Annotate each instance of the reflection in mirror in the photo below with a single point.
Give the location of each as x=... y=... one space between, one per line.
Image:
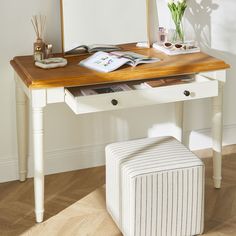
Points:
x=88 y=22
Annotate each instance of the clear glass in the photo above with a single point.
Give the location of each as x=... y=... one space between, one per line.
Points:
x=178 y=36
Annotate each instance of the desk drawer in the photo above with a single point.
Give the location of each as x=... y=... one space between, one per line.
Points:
x=201 y=87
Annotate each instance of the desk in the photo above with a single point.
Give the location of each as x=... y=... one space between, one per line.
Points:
x=42 y=87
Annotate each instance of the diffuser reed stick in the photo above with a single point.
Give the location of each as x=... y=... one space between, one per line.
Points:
x=38 y=22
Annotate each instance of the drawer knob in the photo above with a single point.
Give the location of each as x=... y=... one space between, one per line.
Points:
x=114 y=102
x=186 y=93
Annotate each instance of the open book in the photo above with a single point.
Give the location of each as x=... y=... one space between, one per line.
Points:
x=107 y=62
x=93 y=48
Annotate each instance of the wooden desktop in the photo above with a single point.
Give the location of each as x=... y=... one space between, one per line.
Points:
x=42 y=87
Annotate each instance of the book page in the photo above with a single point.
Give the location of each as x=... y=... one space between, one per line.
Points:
x=103 y=62
x=103 y=22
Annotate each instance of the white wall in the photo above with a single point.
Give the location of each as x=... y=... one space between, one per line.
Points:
x=76 y=142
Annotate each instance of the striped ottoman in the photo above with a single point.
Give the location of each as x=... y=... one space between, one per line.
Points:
x=155 y=187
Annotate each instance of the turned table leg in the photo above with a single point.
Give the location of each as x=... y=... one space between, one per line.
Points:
x=38 y=102
x=22 y=131
x=37 y=116
x=217 y=136
x=179 y=121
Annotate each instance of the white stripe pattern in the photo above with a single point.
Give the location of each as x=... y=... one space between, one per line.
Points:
x=155 y=187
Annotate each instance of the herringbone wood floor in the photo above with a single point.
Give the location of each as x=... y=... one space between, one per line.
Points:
x=63 y=190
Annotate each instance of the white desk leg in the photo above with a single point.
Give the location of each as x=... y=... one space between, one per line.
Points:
x=217 y=136
x=22 y=131
x=179 y=114
x=37 y=116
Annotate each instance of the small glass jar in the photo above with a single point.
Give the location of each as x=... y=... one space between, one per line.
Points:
x=39 y=48
x=162 y=35
x=38 y=54
x=48 y=51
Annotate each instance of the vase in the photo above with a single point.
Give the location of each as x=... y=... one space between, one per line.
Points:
x=178 y=36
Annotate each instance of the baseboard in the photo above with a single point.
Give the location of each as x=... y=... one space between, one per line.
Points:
x=202 y=139
x=69 y=159
x=207 y=153
x=8 y=170
x=57 y=161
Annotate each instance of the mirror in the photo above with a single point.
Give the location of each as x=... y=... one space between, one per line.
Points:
x=87 y=22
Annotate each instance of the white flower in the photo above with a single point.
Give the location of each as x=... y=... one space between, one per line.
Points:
x=175 y=1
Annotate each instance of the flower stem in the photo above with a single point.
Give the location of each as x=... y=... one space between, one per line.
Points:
x=177 y=11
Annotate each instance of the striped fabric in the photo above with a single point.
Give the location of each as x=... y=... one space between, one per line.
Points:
x=155 y=187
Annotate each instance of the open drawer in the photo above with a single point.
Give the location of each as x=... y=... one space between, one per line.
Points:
x=198 y=87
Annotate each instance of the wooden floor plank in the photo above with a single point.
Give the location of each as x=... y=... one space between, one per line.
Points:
x=66 y=214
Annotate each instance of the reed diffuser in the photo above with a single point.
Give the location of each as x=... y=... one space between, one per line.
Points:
x=38 y=22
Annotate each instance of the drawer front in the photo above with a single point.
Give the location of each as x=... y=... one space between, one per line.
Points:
x=137 y=98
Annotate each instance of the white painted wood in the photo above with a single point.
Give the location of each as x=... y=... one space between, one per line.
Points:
x=55 y=95
x=200 y=88
x=37 y=116
x=38 y=97
x=38 y=101
x=217 y=121
x=21 y=84
x=219 y=75
x=22 y=130
x=179 y=120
